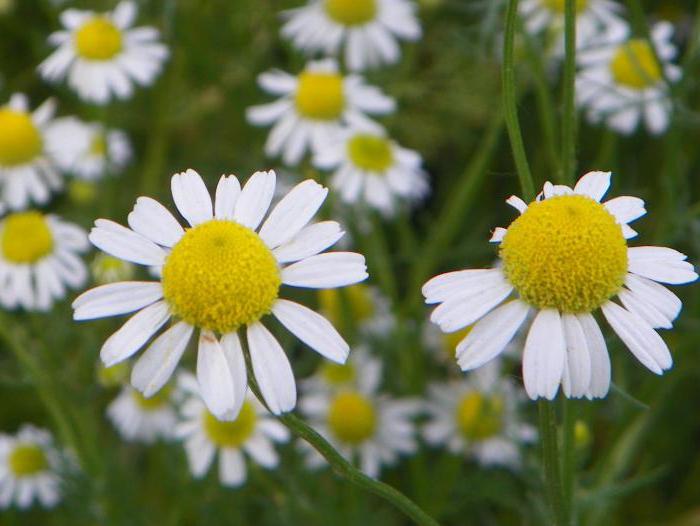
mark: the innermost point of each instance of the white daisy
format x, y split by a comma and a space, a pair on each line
140, 419
565, 257
89, 151
478, 416
368, 30
222, 275
252, 434
344, 406
621, 83
102, 56
313, 107
371, 168
39, 259
27, 172
28, 465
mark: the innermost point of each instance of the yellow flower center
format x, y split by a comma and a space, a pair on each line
351, 12
158, 401
220, 276
98, 145
336, 374
26, 460
635, 66
20, 139
98, 39
559, 6
231, 434
354, 301
479, 416
352, 418
565, 253
320, 96
26, 237
370, 152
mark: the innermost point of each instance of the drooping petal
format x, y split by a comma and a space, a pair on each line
544, 355
272, 370
216, 380
576, 379
599, 357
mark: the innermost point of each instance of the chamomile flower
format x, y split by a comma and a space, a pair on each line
478, 417
39, 259
27, 171
251, 434
621, 82
365, 426
28, 465
564, 258
220, 276
313, 107
368, 30
102, 56
370, 168
89, 150
140, 419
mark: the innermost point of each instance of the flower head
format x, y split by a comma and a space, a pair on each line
141, 419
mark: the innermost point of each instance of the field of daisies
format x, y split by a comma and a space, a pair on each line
353, 262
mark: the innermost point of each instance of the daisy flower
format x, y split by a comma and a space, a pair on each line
140, 419
27, 171
621, 82
220, 276
39, 259
102, 56
368, 30
251, 434
313, 107
364, 426
564, 258
369, 167
28, 465
478, 416
89, 150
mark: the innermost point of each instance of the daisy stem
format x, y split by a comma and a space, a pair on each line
550, 455
569, 457
568, 130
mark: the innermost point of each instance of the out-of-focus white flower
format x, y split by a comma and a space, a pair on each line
367, 308
140, 419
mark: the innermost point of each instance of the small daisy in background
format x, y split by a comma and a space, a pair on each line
27, 170
252, 434
220, 277
140, 419
565, 257
478, 416
102, 56
28, 469
622, 84
368, 30
344, 405
368, 310
370, 168
39, 259
313, 108
108, 269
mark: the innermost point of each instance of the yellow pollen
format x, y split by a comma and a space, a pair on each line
20, 139
559, 6
635, 66
352, 418
220, 276
320, 96
158, 401
479, 416
336, 374
98, 39
565, 253
26, 238
351, 12
370, 152
354, 301
231, 434
26, 460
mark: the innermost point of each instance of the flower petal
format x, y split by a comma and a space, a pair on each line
255, 199
576, 378
311, 240
153, 221
227, 192
648, 312
116, 298
593, 184
126, 244
328, 270
544, 355
655, 294
272, 370
216, 379
191, 197
232, 468
460, 283
599, 357
625, 208
661, 264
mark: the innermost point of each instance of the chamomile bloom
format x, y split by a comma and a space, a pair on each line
27, 170
28, 469
39, 259
140, 419
564, 258
621, 82
365, 426
252, 434
368, 30
370, 168
313, 107
478, 417
89, 151
102, 56
222, 276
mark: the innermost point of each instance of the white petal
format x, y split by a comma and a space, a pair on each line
191, 197
126, 244
260, 448
332, 269
625, 208
227, 192
255, 199
645, 310
116, 298
152, 220
655, 294
462, 282
517, 203
216, 380
599, 357
544, 355
498, 234
661, 264
272, 370
232, 468
576, 379
593, 184
312, 240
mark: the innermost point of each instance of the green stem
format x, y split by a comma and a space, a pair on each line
377, 242
510, 103
550, 455
568, 137
569, 458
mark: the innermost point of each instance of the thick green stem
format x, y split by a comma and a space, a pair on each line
569, 458
568, 130
550, 456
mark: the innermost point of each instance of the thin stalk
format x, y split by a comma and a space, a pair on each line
381, 257
550, 456
569, 458
568, 129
